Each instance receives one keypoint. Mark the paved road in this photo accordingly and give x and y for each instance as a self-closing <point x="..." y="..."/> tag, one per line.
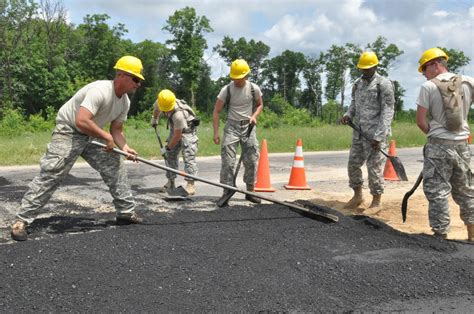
<point x="192" y="256"/>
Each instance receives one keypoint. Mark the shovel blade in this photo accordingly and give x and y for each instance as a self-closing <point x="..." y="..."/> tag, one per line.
<point x="398" y="167"/>
<point x="178" y="191"/>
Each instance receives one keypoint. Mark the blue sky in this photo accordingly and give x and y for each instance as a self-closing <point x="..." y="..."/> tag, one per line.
<point x="307" y="26"/>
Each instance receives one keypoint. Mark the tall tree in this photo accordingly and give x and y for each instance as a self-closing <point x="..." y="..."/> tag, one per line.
<point x="188" y="46"/>
<point x="155" y="58"/>
<point x="312" y="97"/>
<point x="337" y="61"/>
<point x="282" y="73"/>
<point x="16" y="34"/>
<point x="254" y="52"/>
<point x="101" y="45"/>
<point x="53" y="18"/>
<point x="457" y="59"/>
<point x="387" y="54"/>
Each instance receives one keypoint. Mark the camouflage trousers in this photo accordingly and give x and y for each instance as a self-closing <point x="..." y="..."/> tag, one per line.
<point x="361" y="152"/>
<point x="235" y="133"/>
<point x="65" y="147"/>
<point x="188" y="145"/>
<point x="446" y="170"/>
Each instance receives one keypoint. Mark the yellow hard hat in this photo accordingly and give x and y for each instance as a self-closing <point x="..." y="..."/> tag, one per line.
<point x="367" y="60"/>
<point x="429" y="55"/>
<point x="239" y="69"/>
<point x="166" y="100"/>
<point x="130" y="65"/>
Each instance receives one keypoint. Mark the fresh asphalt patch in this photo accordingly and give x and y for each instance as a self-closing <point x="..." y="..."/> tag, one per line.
<point x="191" y="256"/>
<point x="238" y="258"/>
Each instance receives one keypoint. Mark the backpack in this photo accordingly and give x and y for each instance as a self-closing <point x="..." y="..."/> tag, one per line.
<point x="452" y="95"/>
<point x="252" y="90"/>
<point x="181" y="105"/>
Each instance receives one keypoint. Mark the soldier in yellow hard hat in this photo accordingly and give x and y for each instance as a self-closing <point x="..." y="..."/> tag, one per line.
<point x="244" y="104"/>
<point x="79" y="120"/>
<point x="372" y="109"/>
<point x="182" y="137"/>
<point x="447" y="154"/>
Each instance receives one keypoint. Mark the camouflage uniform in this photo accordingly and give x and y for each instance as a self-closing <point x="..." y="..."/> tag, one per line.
<point x="446" y="170"/>
<point x="241" y="105"/>
<point x="65" y="147"/>
<point x="447" y="157"/>
<point x="235" y="133"/>
<point x="188" y="145"/>
<point x="372" y="109"/>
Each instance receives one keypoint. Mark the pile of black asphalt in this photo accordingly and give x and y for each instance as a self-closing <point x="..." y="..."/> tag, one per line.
<point x="238" y="258"/>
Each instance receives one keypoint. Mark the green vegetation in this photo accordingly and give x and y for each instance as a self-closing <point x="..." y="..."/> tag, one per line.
<point x="28" y="147"/>
<point x="45" y="60"/>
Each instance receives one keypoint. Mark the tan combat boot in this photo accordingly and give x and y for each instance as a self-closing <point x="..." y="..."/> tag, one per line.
<point x="168" y="185"/>
<point x="470" y="232"/>
<point x="375" y="206"/>
<point x="356" y="200"/>
<point x="376" y="202"/>
<point x="253" y="199"/>
<point x="19" y="232"/>
<point x="190" y="188"/>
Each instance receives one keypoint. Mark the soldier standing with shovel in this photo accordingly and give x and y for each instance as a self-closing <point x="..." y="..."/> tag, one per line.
<point x="244" y="103"/>
<point x="372" y="108"/>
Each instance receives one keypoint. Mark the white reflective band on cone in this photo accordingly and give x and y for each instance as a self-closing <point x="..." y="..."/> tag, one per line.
<point x="299" y="151"/>
<point x="298" y="164"/>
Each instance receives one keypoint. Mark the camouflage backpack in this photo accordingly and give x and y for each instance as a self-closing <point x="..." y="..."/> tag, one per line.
<point x="452" y="95"/>
<point x="181" y="105"/>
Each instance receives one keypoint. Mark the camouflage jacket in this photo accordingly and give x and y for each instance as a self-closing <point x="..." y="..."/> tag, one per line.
<point x="372" y="106"/>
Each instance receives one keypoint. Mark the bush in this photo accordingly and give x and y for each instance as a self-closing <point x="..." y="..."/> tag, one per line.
<point x="269" y="119"/>
<point x="278" y="104"/>
<point x="42" y="121"/>
<point x="12" y="123"/>
<point x="297" y="117"/>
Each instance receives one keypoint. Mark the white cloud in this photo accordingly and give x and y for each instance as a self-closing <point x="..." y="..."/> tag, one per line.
<point x="471" y="12"/>
<point x="308" y="26"/>
<point x="440" y="14"/>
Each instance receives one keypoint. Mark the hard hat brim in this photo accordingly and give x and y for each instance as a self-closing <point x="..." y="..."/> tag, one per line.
<point x="365" y="67"/>
<point x="130" y="72"/>
<point x="238" y="77"/>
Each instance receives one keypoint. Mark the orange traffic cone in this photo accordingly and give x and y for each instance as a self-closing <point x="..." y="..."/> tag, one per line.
<point x="389" y="172"/>
<point x="263" y="172"/>
<point x="297" y="176"/>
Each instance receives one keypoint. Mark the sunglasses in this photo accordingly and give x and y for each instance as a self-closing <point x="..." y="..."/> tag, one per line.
<point x="427" y="64"/>
<point x="134" y="78"/>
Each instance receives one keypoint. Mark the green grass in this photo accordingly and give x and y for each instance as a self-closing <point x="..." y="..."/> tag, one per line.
<point x="28" y="148"/>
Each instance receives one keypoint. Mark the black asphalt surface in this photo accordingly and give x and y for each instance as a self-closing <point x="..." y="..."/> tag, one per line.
<point x="195" y="257"/>
<point x="262" y="258"/>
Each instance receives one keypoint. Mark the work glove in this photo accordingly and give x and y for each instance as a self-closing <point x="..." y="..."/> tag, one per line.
<point x="375" y="144"/>
<point x="345" y="120"/>
<point x="164" y="151"/>
<point x="154" y="122"/>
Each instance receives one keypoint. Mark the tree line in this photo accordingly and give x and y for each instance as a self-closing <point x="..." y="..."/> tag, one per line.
<point x="45" y="60"/>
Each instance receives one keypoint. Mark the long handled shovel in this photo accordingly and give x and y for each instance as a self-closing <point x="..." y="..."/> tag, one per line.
<point x="299" y="209"/>
<point x="408" y="194"/>
<point x="227" y="196"/>
<point x="179" y="191"/>
<point x="396" y="162"/>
